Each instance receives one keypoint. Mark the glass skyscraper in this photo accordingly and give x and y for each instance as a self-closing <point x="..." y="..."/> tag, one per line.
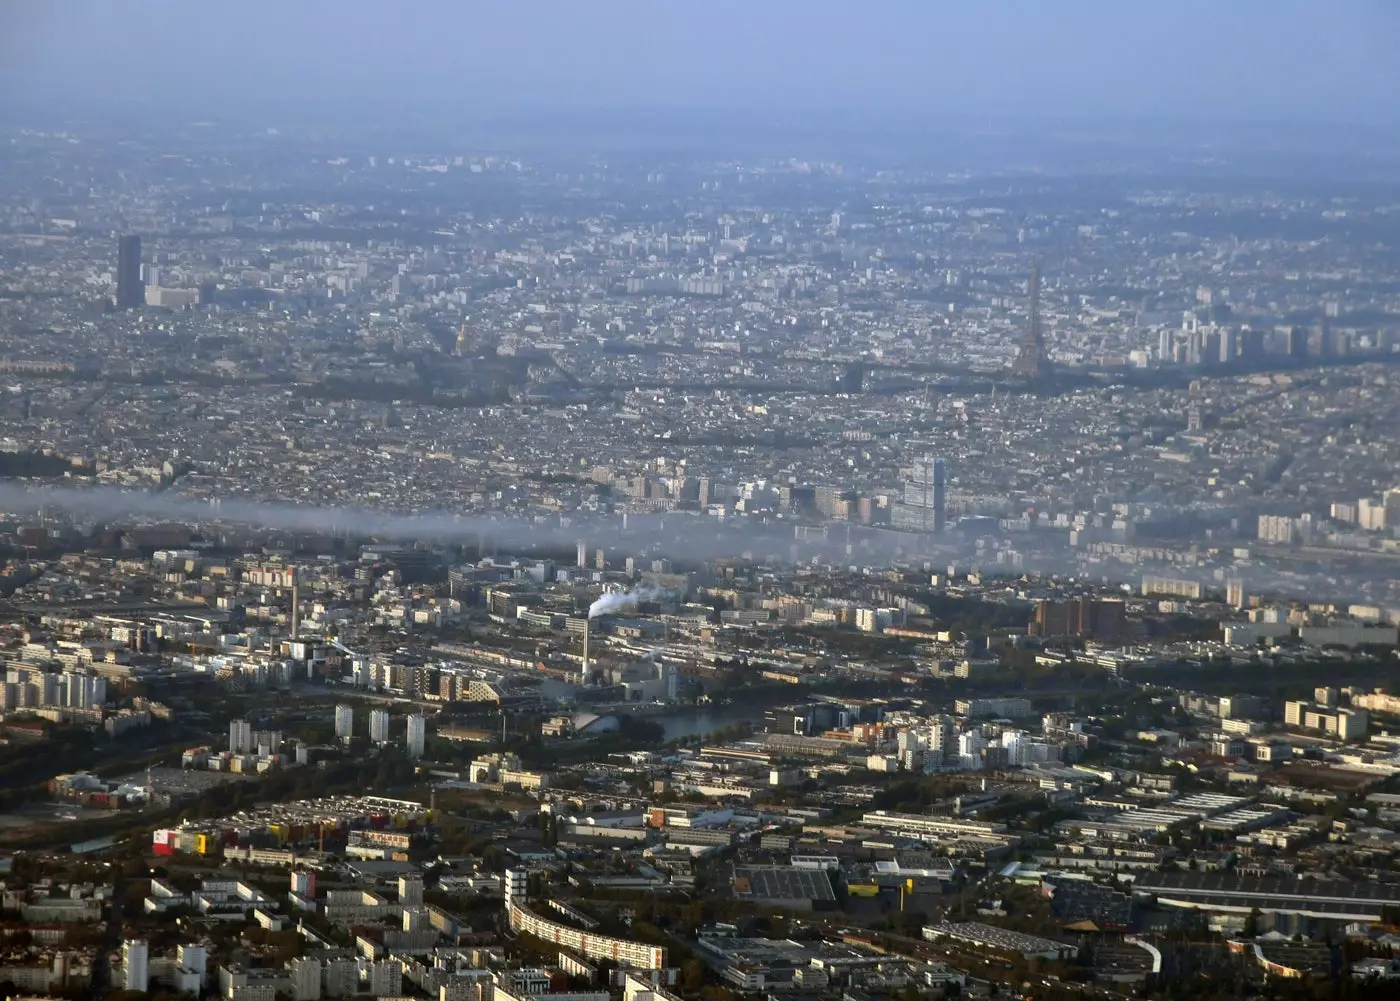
<point x="131" y="291"/>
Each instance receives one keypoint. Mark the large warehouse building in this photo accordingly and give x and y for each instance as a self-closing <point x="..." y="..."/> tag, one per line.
<point x="1232" y="893"/>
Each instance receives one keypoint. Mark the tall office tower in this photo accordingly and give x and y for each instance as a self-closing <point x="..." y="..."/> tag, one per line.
<point x="582" y="560"/>
<point x="344" y="723"/>
<point x="131" y="291"/>
<point x="925" y="504"/>
<point x="240" y="736"/>
<point x="1032" y="362"/>
<point x="379" y="726"/>
<point x="416" y="736"/>
<point x="135" y="964"/>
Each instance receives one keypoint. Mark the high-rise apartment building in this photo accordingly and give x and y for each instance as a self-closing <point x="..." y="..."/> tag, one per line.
<point x="81" y="690"/>
<point x="135" y="965"/>
<point x="1390" y="500"/>
<point x="131" y="291"/>
<point x="344" y="723"/>
<point x="1229" y="345"/>
<point x="1086" y="616"/>
<point x="303" y="884"/>
<point x="194" y="958"/>
<point x="1277" y="528"/>
<point x="411" y="891"/>
<point x="305" y="977"/>
<point x="240" y="736"/>
<point x="385" y="977"/>
<point x="379" y="726"/>
<point x="416" y="736"/>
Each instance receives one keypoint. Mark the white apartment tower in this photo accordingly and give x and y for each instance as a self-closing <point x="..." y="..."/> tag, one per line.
<point x="303" y="884"/>
<point x="379" y="726"/>
<point x="344" y="723"/>
<point x="240" y="736"/>
<point x="411" y="891"/>
<point x="515" y="884"/>
<point x="135" y="965"/>
<point x="416" y="736"/>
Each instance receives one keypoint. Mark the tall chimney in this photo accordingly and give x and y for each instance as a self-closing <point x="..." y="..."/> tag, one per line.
<point x="296" y="604"/>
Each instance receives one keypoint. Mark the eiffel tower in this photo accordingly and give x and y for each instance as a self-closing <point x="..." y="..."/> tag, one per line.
<point x="1031" y="363"/>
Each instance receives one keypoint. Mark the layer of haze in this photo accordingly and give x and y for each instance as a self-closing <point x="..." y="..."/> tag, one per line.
<point x="1204" y="60"/>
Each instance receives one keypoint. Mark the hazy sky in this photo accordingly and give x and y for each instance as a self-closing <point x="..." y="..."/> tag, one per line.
<point x="1328" y="60"/>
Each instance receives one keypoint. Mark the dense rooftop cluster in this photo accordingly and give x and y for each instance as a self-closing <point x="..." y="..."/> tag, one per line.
<point x="439" y="573"/>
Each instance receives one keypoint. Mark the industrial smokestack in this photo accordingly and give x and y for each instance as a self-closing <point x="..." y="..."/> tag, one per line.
<point x="296" y="604"/>
<point x="587" y="628"/>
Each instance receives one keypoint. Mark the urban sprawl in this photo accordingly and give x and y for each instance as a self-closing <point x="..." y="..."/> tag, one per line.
<point x="441" y="573"/>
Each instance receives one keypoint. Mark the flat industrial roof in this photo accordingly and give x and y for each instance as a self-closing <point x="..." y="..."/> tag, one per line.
<point x="782" y="883"/>
<point x="1269" y="889"/>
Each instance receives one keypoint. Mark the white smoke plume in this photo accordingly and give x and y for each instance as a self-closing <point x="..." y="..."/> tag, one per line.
<point x="695" y="538"/>
<point x="620" y="601"/>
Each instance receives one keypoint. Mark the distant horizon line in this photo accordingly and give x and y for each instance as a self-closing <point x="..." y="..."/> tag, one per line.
<point x="449" y="112"/>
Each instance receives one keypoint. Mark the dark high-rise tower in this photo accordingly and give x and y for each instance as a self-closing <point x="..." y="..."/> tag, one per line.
<point x="940" y="496"/>
<point x="131" y="292"/>
<point x="1032" y="363"/>
<point x="925" y="506"/>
